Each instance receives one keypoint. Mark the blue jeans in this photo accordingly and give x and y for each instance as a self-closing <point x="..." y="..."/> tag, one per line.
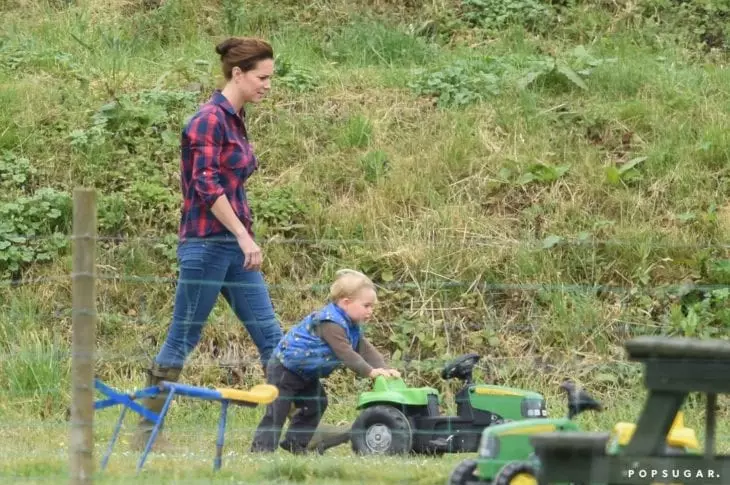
<point x="208" y="268"/>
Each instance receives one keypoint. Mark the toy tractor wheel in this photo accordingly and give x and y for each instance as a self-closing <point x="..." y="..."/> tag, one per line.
<point x="465" y="474"/>
<point x="381" y="430"/>
<point x="516" y="473"/>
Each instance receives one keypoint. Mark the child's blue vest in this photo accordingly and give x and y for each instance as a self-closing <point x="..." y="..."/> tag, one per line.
<point x="303" y="352"/>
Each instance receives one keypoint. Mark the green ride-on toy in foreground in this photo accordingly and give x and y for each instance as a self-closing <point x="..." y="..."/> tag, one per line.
<point x="658" y="448"/>
<point x="505" y="453"/>
<point x="507" y="456"/>
<point x="396" y="419"/>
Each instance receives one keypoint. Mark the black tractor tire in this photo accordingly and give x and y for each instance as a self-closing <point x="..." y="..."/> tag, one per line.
<point x="508" y="473"/>
<point x="381" y="430"/>
<point x="465" y="474"/>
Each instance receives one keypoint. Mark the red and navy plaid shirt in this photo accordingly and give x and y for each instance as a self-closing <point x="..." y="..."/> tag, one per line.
<point x="216" y="159"/>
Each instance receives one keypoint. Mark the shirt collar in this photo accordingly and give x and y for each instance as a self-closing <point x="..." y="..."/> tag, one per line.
<point x="223" y="102"/>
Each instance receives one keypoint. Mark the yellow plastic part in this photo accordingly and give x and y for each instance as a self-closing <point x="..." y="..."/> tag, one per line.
<point x="683" y="438"/>
<point x="523" y="479"/>
<point x="530" y="430"/>
<point x="679" y="435"/>
<point x="258" y="394"/>
<point x="623" y="432"/>
<point x="490" y="391"/>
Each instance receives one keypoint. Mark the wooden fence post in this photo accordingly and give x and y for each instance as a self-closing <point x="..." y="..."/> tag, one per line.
<point x="83" y="337"/>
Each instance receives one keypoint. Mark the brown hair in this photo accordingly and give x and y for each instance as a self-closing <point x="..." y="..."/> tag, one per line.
<point x="242" y="52"/>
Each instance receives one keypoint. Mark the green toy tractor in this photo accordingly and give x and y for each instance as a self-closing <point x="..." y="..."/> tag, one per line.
<point x="396" y="419"/>
<point x="505" y="453"/>
<point x="659" y="448"/>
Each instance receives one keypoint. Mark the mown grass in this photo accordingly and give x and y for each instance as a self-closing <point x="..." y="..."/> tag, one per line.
<point x="502" y="208"/>
<point x="39" y="451"/>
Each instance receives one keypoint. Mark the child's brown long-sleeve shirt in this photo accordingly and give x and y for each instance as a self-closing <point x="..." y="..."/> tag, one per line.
<point x="361" y="361"/>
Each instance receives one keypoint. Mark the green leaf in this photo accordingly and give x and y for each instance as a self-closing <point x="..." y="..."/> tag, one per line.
<point x="387" y="275"/>
<point x="526" y="178"/>
<point x="687" y="216"/>
<point x="613" y="175"/>
<point x="528" y="79"/>
<point x="566" y="71"/>
<point x="631" y="164"/>
<point x="551" y="241"/>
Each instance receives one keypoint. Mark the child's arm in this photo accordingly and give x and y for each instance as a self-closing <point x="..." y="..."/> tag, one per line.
<point x="371" y="355"/>
<point x="335" y="337"/>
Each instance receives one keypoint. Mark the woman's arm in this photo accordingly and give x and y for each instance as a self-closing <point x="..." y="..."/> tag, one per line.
<point x="223" y="211"/>
<point x="206" y="140"/>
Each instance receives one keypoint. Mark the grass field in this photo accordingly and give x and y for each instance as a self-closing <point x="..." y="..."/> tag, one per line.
<point x="38" y="451"/>
<point x="534" y="181"/>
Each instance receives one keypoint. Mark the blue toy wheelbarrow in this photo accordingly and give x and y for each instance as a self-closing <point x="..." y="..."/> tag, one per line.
<point x="257" y="395"/>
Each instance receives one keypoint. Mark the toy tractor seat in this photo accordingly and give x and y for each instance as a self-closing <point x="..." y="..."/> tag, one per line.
<point x="679" y="436"/>
<point x="461" y="368"/>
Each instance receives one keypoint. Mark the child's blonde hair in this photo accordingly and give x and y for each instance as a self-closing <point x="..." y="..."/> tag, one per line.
<point x="349" y="283"/>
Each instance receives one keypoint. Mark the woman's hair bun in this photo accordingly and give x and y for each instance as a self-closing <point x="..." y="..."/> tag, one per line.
<point x="223" y="48"/>
<point x="243" y="53"/>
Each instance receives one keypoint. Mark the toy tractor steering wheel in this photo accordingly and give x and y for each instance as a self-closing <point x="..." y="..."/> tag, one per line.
<point x="461" y="367"/>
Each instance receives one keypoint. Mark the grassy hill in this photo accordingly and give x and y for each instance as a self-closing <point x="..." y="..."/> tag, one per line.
<point x="535" y="181"/>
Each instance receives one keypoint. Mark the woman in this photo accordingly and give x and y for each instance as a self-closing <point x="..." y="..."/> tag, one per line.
<point x="217" y="252"/>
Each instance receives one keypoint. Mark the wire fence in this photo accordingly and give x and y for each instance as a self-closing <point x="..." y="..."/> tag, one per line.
<point x="38" y="371"/>
<point x="425" y="285"/>
<point x="436" y="239"/>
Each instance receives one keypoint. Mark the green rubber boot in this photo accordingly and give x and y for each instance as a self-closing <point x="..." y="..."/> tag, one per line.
<point x="328" y="436"/>
<point x="155" y="375"/>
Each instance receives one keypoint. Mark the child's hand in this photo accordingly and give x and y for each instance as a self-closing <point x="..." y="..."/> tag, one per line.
<point x="384" y="372"/>
<point x="379" y="372"/>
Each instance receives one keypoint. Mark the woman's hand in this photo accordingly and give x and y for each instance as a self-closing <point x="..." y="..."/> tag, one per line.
<point x="251" y="252"/>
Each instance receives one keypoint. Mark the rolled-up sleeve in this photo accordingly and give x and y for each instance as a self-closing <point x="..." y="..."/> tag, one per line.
<point x="206" y="138"/>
